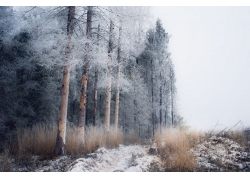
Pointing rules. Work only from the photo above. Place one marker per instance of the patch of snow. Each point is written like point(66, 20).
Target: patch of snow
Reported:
point(220, 154)
point(132, 158)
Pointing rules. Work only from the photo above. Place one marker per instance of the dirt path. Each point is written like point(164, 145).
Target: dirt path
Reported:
point(132, 158)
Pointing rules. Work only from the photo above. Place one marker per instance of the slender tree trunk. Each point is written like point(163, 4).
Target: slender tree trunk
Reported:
point(108, 87)
point(135, 120)
point(172, 98)
point(152, 81)
point(96, 81)
point(160, 102)
point(101, 102)
point(139, 130)
point(95, 96)
point(61, 134)
point(83, 92)
point(118, 79)
point(166, 118)
point(149, 132)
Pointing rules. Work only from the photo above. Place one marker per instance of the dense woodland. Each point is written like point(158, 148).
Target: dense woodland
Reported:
point(85, 66)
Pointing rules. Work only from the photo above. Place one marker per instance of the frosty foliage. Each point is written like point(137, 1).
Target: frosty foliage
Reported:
point(33, 43)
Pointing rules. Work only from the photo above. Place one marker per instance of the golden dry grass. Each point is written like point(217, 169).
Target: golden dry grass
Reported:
point(97, 137)
point(132, 138)
point(41, 139)
point(173, 145)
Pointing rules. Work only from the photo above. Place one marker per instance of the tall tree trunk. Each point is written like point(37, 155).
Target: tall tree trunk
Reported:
point(96, 81)
point(118, 79)
point(165, 118)
point(135, 119)
point(61, 134)
point(83, 92)
point(95, 96)
point(108, 87)
point(152, 91)
point(160, 102)
point(101, 103)
point(172, 98)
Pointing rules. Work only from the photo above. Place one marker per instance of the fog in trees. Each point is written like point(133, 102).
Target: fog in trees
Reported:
point(84, 66)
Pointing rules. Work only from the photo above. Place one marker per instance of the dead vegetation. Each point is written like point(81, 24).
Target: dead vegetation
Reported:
point(34, 147)
point(40, 140)
point(176, 148)
point(132, 138)
point(173, 146)
point(240, 136)
point(221, 154)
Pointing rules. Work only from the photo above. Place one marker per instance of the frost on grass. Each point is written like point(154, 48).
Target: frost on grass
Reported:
point(221, 154)
point(133, 158)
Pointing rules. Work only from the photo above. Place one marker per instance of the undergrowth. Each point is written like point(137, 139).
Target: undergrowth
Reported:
point(173, 145)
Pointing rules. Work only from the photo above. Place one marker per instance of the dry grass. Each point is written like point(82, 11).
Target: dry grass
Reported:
point(173, 145)
point(194, 137)
point(41, 139)
point(73, 146)
point(97, 137)
point(115, 137)
point(132, 138)
point(238, 136)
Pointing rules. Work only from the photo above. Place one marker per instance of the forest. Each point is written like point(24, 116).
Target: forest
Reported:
point(87, 66)
point(77, 79)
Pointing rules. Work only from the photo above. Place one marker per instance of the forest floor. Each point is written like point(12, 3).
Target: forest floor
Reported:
point(219, 154)
point(215, 154)
point(132, 158)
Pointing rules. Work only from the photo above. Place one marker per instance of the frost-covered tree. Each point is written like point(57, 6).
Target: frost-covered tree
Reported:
point(122, 73)
point(156, 63)
point(85, 71)
point(61, 135)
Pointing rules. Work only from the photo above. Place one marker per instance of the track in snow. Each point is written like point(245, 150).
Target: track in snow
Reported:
point(132, 158)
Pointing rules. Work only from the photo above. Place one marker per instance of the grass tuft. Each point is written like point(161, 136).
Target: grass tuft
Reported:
point(173, 145)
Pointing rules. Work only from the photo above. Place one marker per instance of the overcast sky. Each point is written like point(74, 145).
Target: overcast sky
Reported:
point(210, 48)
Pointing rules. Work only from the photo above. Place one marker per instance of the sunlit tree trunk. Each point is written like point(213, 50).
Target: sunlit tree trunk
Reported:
point(61, 134)
point(117, 80)
point(83, 92)
point(108, 87)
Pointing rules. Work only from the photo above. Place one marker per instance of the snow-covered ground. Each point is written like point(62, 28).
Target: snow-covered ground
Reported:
point(133, 158)
point(221, 154)
point(214, 154)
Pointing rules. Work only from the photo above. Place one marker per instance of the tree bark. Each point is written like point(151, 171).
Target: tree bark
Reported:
point(160, 102)
point(96, 81)
point(152, 81)
point(117, 80)
point(83, 92)
point(61, 134)
point(108, 87)
point(172, 98)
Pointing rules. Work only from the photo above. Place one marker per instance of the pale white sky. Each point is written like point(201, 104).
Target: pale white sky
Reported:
point(210, 48)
